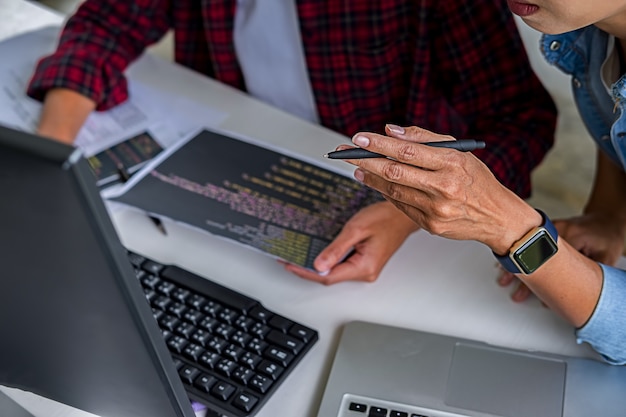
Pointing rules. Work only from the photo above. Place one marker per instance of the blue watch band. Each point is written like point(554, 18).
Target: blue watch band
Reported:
point(507, 261)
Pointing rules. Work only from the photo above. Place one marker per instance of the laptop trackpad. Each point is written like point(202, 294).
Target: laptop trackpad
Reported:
point(490, 380)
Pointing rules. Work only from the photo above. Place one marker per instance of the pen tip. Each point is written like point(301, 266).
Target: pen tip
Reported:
point(325, 155)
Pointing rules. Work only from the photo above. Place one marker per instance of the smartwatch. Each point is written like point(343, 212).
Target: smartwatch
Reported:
point(532, 250)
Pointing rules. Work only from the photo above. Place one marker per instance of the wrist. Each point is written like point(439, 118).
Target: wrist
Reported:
point(514, 229)
point(531, 251)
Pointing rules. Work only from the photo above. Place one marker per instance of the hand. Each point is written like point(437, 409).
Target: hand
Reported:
point(63, 114)
point(447, 192)
point(373, 234)
point(521, 292)
point(595, 235)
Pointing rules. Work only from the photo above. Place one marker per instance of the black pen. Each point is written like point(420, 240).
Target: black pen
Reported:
point(463, 145)
point(122, 172)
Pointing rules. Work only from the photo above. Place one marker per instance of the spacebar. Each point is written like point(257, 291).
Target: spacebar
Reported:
point(209, 288)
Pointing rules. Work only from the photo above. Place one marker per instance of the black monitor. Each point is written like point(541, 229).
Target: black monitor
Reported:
point(75, 325)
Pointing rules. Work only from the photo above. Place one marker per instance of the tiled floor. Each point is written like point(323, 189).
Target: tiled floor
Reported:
point(563, 180)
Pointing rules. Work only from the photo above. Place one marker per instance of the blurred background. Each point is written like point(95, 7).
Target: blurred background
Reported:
point(562, 182)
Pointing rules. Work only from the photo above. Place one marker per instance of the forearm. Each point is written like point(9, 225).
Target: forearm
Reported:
point(63, 114)
point(96, 46)
point(569, 283)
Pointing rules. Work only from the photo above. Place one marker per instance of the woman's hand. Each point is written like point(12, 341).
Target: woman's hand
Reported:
point(447, 192)
point(372, 236)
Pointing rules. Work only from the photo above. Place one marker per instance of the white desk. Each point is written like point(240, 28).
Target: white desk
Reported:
point(430, 284)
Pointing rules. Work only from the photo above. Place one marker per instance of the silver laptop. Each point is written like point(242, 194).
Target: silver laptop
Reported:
point(384, 371)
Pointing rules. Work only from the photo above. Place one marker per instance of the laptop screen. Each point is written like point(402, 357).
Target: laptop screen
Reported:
point(75, 324)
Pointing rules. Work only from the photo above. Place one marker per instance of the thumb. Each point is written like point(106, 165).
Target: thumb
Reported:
point(336, 251)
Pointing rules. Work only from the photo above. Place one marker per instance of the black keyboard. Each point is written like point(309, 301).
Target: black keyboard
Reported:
point(230, 352)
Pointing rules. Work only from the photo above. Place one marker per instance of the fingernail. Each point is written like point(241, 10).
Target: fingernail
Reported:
point(361, 141)
point(323, 273)
point(398, 130)
point(359, 175)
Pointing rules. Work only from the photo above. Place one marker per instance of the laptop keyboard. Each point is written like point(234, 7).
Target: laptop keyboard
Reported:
point(359, 406)
point(230, 352)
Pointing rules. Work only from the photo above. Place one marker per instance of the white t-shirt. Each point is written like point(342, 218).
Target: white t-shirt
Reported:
point(269, 49)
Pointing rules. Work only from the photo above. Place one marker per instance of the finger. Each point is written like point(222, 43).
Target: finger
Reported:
point(407, 151)
point(522, 293)
point(395, 187)
point(414, 134)
point(337, 250)
point(506, 278)
point(341, 272)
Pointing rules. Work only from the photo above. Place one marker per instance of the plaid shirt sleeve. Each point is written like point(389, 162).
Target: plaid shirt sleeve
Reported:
point(492, 92)
point(97, 44)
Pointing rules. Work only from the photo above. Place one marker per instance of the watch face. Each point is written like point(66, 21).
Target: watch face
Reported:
point(535, 252)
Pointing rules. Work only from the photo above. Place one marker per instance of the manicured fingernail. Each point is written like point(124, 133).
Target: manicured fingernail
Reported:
point(361, 141)
point(398, 130)
point(359, 175)
point(323, 273)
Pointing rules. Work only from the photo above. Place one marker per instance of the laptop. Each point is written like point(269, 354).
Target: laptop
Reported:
point(74, 322)
point(385, 371)
point(87, 323)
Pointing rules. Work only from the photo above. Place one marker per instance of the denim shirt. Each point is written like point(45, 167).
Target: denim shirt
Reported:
point(581, 54)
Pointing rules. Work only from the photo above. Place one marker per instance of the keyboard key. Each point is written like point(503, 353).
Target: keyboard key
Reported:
point(217, 344)
point(196, 301)
point(260, 383)
point(193, 316)
point(257, 345)
point(211, 308)
point(377, 412)
point(280, 323)
point(361, 408)
point(270, 369)
point(240, 338)
point(283, 340)
point(279, 355)
point(228, 316)
point(302, 332)
point(188, 373)
point(260, 330)
point(242, 375)
point(204, 382)
point(184, 329)
point(193, 352)
point(177, 309)
point(250, 360)
point(395, 413)
point(210, 359)
point(177, 344)
point(180, 294)
point(201, 337)
point(222, 390)
point(226, 367)
point(168, 322)
point(245, 401)
point(260, 314)
point(152, 267)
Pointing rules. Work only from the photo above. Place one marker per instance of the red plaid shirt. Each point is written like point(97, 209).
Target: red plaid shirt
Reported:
point(454, 67)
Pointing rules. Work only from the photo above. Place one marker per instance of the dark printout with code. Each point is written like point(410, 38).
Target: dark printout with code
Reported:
point(264, 199)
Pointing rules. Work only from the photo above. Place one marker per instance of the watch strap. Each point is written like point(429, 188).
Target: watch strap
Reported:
point(507, 262)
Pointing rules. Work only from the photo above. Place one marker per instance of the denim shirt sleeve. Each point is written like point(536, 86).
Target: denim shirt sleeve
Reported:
point(605, 330)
